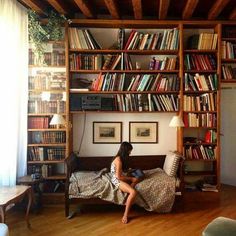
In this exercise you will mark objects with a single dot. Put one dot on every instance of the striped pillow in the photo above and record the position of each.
(171, 164)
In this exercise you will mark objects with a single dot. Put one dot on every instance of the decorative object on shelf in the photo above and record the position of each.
(176, 121)
(57, 120)
(107, 132)
(40, 33)
(143, 132)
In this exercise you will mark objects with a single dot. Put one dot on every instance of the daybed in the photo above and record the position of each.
(88, 182)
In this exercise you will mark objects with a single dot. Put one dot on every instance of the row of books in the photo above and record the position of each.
(46, 153)
(210, 136)
(150, 102)
(199, 152)
(116, 61)
(46, 170)
(43, 107)
(200, 62)
(38, 122)
(86, 61)
(46, 80)
(44, 137)
(54, 58)
(138, 82)
(200, 120)
(165, 64)
(203, 41)
(203, 102)
(82, 39)
(228, 50)
(45, 95)
(199, 82)
(166, 40)
(228, 72)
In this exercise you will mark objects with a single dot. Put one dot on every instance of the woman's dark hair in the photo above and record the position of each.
(123, 153)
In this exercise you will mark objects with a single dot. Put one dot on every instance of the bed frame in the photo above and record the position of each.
(75, 163)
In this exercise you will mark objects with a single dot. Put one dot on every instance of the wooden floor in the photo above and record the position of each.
(105, 220)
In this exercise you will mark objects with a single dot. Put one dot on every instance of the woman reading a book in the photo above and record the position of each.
(125, 183)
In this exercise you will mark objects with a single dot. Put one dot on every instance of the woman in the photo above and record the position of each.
(126, 184)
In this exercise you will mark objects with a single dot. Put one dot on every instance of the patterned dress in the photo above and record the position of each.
(114, 180)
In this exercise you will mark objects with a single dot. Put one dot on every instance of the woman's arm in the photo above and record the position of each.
(119, 173)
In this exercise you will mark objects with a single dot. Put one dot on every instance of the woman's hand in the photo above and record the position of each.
(134, 181)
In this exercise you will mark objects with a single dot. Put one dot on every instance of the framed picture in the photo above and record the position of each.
(143, 132)
(107, 132)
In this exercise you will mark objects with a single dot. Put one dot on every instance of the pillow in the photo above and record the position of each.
(171, 164)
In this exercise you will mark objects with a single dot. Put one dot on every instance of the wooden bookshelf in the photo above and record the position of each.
(47, 144)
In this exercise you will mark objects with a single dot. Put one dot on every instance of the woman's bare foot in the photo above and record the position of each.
(125, 220)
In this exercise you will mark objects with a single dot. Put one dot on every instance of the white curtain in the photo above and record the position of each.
(13, 92)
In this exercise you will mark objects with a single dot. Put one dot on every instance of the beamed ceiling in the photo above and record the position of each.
(138, 9)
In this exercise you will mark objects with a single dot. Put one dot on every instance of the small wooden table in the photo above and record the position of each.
(34, 183)
(14, 194)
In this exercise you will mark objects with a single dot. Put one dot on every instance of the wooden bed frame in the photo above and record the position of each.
(75, 163)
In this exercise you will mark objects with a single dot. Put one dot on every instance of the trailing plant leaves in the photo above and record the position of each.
(42, 33)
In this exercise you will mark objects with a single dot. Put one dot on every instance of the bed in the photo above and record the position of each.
(88, 182)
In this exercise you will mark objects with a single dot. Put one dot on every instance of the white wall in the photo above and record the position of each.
(167, 137)
(228, 140)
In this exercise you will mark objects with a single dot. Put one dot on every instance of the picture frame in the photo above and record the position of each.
(107, 132)
(143, 132)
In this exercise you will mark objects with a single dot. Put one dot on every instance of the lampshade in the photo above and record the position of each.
(176, 121)
(57, 119)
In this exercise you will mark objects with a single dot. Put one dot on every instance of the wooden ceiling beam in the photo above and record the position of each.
(189, 9)
(85, 8)
(59, 6)
(232, 15)
(137, 7)
(112, 8)
(163, 9)
(216, 9)
(36, 6)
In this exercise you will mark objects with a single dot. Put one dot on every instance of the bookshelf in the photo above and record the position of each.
(130, 76)
(47, 144)
(116, 64)
(201, 107)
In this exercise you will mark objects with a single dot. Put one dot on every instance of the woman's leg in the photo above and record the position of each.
(124, 187)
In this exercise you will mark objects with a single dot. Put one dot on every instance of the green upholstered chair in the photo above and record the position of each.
(221, 226)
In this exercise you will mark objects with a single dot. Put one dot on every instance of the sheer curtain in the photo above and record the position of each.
(13, 92)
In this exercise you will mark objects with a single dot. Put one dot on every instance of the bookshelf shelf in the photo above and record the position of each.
(200, 51)
(124, 92)
(200, 173)
(124, 71)
(201, 160)
(46, 162)
(100, 111)
(47, 145)
(47, 129)
(115, 51)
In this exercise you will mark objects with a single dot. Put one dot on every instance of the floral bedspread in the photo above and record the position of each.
(155, 193)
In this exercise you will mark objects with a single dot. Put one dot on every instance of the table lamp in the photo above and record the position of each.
(57, 120)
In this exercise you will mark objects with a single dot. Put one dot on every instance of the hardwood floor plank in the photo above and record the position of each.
(106, 220)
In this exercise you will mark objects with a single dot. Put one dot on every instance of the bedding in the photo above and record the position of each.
(155, 193)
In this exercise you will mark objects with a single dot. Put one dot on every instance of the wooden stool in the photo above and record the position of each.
(14, 194)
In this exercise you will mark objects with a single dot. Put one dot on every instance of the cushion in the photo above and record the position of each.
(4, 230)
(221, 226)
(171, 163)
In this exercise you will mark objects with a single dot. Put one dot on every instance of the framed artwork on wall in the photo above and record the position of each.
(107, 132)
(143, 132)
